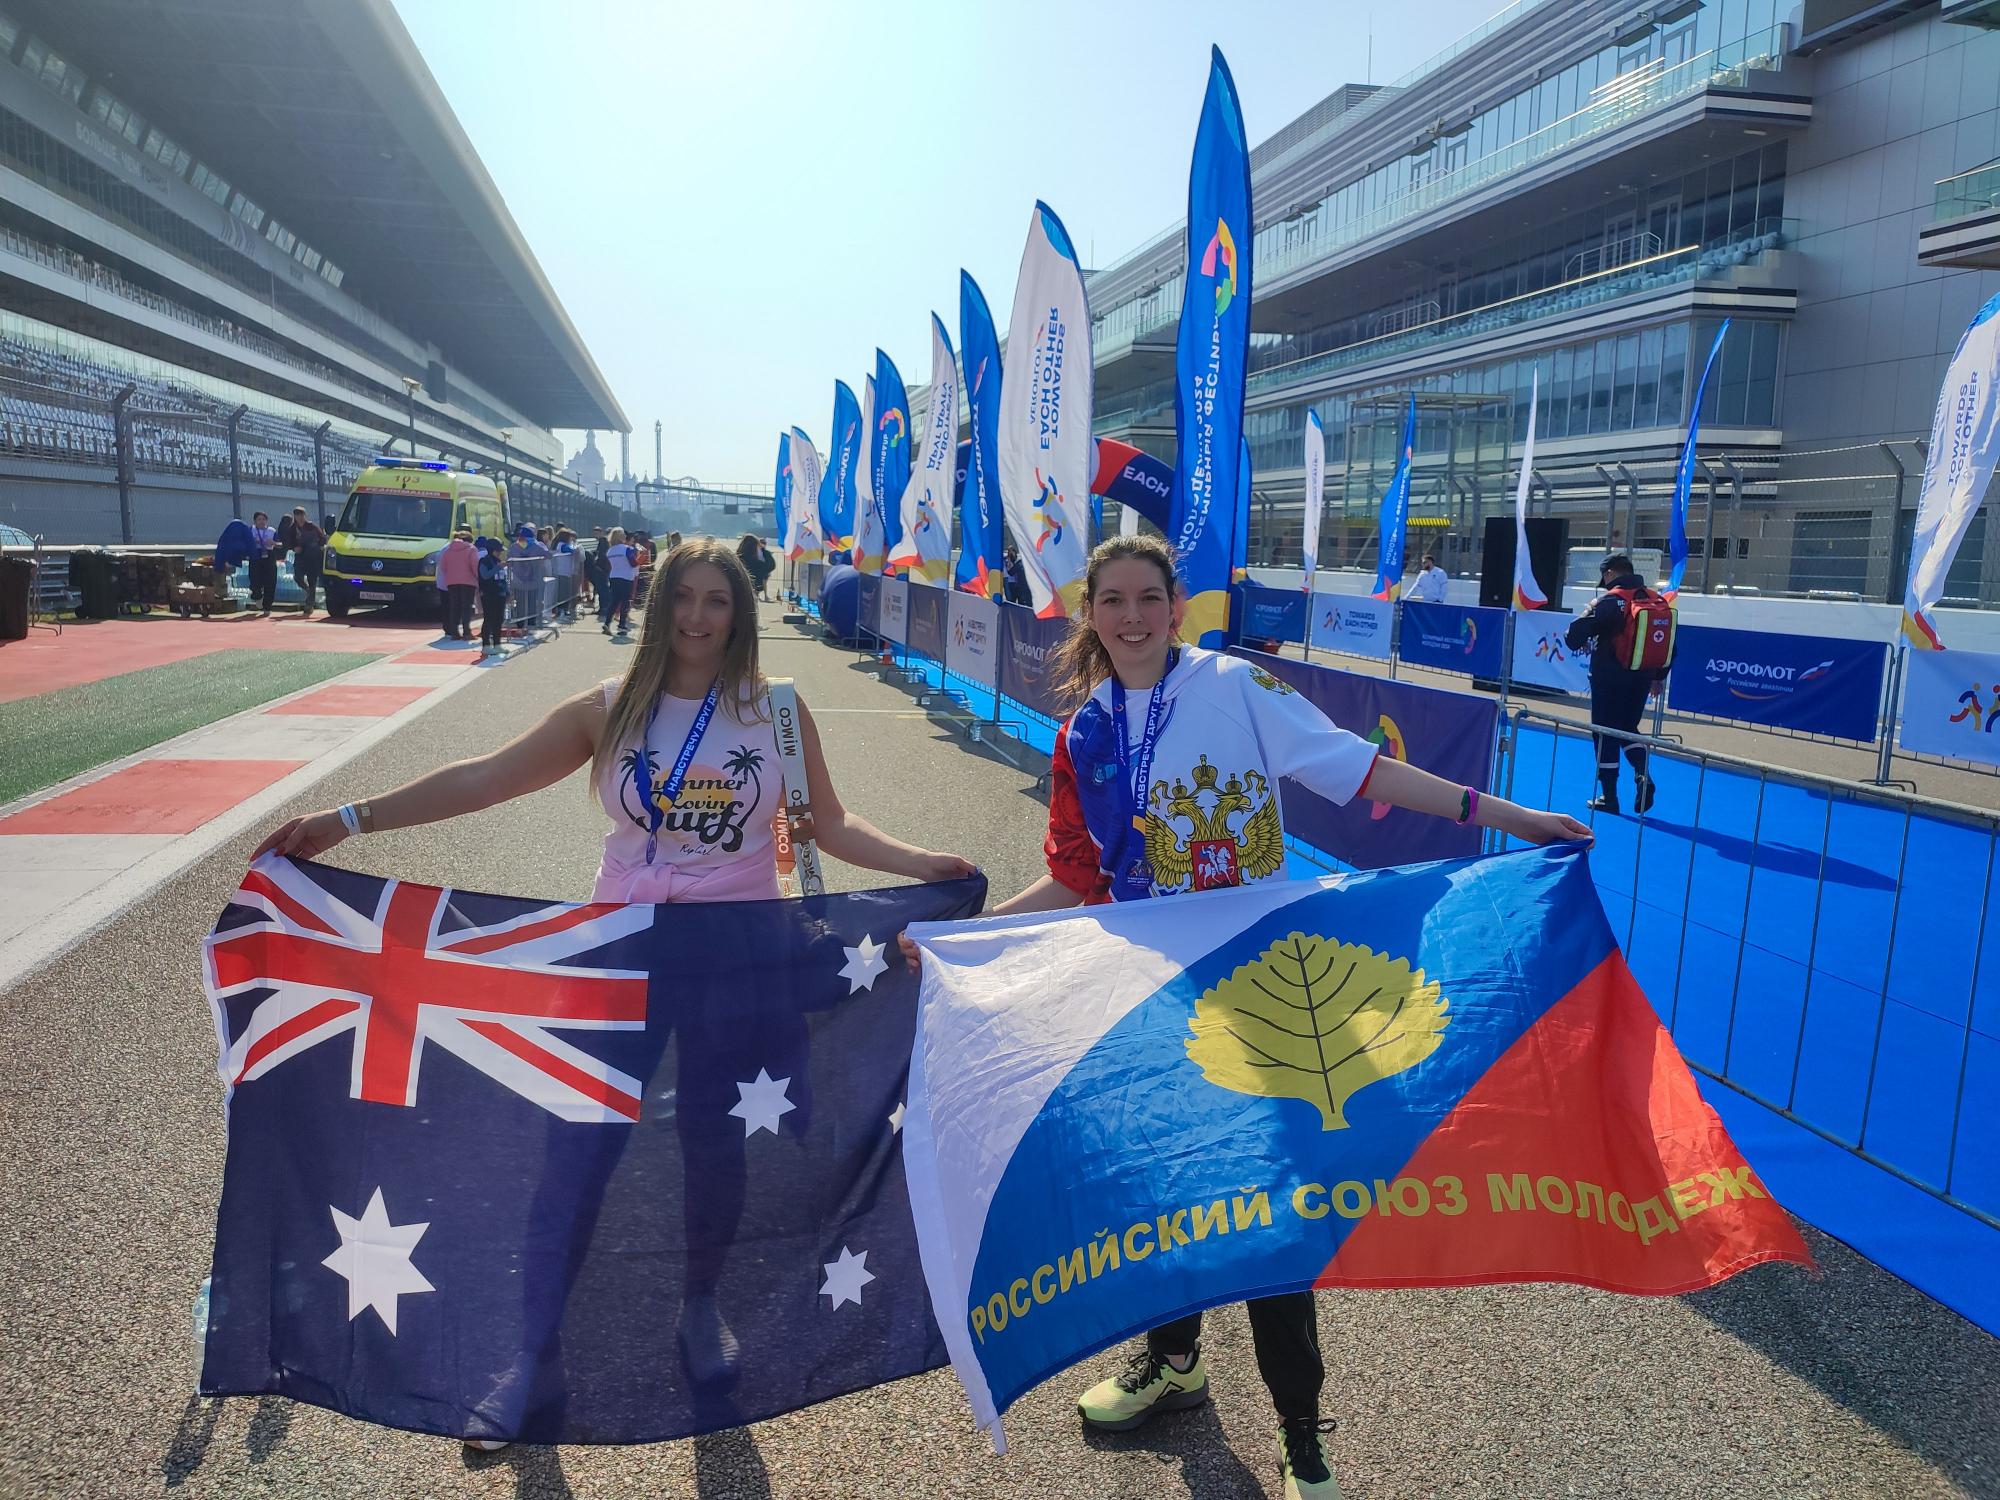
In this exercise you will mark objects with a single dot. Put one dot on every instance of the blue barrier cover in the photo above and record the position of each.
(1448, 734)
(927, 632)
(1453, 638)
(868, 606)
(1270, 614)
(1027, 646)
(1808, 682)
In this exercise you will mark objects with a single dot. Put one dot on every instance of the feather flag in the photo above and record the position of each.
(836, 486)
(1677, 525)
(1395, 517)
(870, 546)
(1965, 445)
(781, 488)
(1211, 360)
(889, 462)
(1315, 497)
(1441, 1075)
(1527, 593)
(981, 568)
(1046, 452)
(929, 499)
(803, 543)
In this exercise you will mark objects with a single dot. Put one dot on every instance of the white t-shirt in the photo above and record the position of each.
(1429, 587)
(1229, 730)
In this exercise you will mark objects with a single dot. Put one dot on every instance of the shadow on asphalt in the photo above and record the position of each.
(1908, 1366)
(727, 1466)
(1196, 1442)
(1026, 760)
(268, 1425)
(192, 1435)
(538, 1471)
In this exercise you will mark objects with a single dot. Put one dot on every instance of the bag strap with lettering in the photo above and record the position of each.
(792, 768)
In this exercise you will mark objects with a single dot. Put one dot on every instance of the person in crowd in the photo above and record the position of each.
(692, 686)
(527, 543)
(757, 559)
(493, 590)
(308, 558)
(621, 566)
(458, 576)
(1015, 577)
(593, 567)
(288, 527)
(1618, 686)
(1428, 587)
(264, 554)
(673, 540)
(546, 535)
(568, 583)
(1193, 712)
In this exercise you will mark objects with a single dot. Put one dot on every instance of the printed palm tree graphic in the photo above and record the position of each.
(632, 765)
(743, 761)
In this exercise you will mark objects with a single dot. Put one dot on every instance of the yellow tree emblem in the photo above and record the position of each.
(1317, 1020)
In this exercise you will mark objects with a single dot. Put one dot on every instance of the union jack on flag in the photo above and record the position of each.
(302, 967)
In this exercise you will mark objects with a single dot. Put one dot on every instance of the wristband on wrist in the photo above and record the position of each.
(364, 813)
(1468, 805)
(348, 820)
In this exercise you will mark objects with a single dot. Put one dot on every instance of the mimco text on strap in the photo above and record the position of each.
(792, 764)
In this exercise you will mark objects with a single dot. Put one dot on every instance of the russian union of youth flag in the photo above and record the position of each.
(502, 1169)
(1441, 1075)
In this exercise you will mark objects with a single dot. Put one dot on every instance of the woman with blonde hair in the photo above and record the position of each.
(683, 756)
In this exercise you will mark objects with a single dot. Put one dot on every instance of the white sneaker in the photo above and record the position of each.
(487, 1445)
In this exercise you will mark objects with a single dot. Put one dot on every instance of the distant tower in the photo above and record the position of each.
(624, 458)
(587, 466)
(659, 464)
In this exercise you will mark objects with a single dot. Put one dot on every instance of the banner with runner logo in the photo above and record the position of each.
(982, 528)
(895, 594)
(1814, 683)
(931, 494)
(927, 622)
(1046, 453)
(1027, 659)
(1353, 624)
(1449, 734)
(1542, 657)
(1951, 704)
(836, 486)
(1270, 614)
(889, 450)
(972, 646)
(1453, 637)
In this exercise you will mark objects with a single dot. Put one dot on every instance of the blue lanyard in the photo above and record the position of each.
(677, 777)
(1135, 775)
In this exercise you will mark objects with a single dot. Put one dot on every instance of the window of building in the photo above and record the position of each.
(10, 33)
(209, 185)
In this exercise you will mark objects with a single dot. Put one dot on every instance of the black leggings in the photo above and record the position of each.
(1285, 1330)
(1618, 701)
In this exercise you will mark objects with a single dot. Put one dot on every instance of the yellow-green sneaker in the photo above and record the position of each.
(1146, 1385)
(1301, 1461)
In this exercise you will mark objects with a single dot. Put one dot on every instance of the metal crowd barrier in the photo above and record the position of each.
(1933, 823)
(542, 594)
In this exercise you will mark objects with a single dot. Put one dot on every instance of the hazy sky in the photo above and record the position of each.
(738, 202)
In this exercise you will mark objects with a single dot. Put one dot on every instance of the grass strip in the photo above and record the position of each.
(47, 739)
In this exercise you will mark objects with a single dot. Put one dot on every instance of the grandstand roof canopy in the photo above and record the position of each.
(328, 117)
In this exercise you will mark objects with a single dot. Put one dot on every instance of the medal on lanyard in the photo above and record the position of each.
(1134, 775)
(658, 804)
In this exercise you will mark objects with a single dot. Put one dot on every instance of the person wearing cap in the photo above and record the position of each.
(1618, 692)
(526, 543)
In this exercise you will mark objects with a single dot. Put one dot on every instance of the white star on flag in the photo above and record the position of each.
(864, 964)
(763, 1103)
(374, 1256)
(896, 1119)
(846, 1277)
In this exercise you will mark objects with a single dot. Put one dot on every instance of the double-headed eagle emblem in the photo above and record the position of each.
(1212, 853)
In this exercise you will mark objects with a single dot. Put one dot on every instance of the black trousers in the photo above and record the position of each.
(308, 581)
(458, 599)
(493, 616)
(264, 581)
(1285, 1331)
(1618, 701)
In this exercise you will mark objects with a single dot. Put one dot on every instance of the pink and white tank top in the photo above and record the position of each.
(715, 842)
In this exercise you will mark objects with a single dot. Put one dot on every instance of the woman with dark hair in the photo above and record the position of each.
(1158, 725)
(757, 560)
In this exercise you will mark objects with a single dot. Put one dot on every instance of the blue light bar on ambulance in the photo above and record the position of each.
(387, 461)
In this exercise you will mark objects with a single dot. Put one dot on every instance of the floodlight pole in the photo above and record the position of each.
(410, 384)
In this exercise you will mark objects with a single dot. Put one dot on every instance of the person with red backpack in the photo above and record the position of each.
(1630, 634)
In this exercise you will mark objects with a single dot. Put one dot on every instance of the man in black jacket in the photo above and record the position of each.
(1617, 692)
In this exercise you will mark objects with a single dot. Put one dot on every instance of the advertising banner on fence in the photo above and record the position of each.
(1027, 659)
(1351, 623)
(927, 622)
(815, 580)
(1808, 682)
(1448, 734)
(972, 645)
(1951, 703)
(1542, 657)
(895, 610)
(1453, 637)
(1270, 614)
(868, 603)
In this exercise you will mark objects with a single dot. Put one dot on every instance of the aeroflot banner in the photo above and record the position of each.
(1809, 682)
(1270, 614)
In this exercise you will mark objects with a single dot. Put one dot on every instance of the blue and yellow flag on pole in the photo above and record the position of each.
(1211, 360)
(837, 487)
(889, 449)
(1441, 1075)
(982, 527)
(1395, 519)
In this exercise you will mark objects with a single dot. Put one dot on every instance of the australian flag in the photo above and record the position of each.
(563, 1174)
